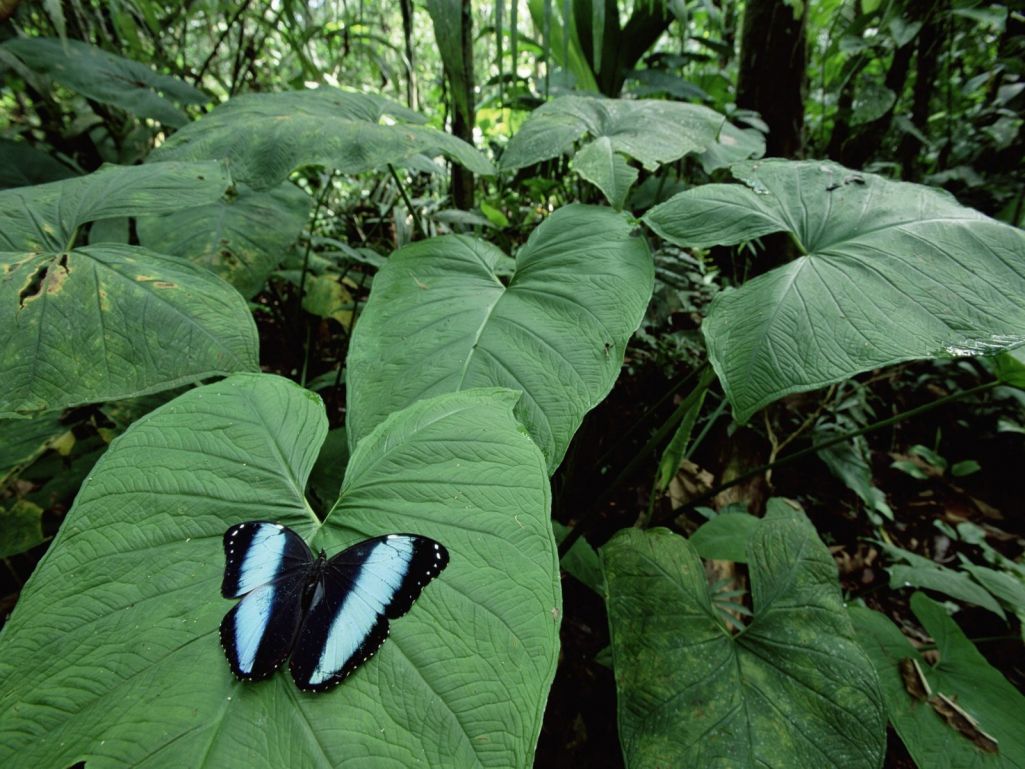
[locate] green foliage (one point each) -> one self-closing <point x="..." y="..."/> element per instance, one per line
<point x="441" y="320"/>
<point x="124" y="642"/>
<point x="264" y="137"/>
<point x="242" y="237"/>
<point x="791" y="688"/>
<point x="107" y="78"/>
<point x="874" y="284"/>
<point x="80" y="324"/>
<point x="649" y="131"/>
<point x="962" y="673"/>
<point x="725" y="536"/>
<point x="137" y="282"/>
<point x="22" y="165"/>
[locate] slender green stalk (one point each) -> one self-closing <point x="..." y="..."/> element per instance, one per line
<point x="904" y="415"/>
<point x="306" y="354"/>
<point x="707" y="376"/>
<point x="405" y="199"/>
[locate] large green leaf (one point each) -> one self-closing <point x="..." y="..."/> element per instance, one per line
<point x="26" y="439"/>
<point x="84" y="324"/>
<point x="792" y="689"/>
<point x="107" y="78"/>
<point x="439" y="319"/>
<point x="265" y="136"/>
<point x="242" y="237"/>
<point x="112" y="654"/>
<point x="649" y="130"/>
<point x="21" y="164"/>
<point x="962" y="674"/>
<point x="46" y="217"/>
<point x="889" y="272"/>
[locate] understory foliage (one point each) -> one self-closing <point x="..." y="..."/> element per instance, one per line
<point x="721" y="445"/>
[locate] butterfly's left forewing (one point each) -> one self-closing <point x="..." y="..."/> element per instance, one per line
<point x="363" y="587"/>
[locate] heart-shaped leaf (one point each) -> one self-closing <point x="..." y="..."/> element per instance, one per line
<point x="265" y="136"/>
<point x="962" y="674"/>
<point x="242" y="237"/>
<point x="112" y="654"/>
<point x="651" y="131"/>
<point x="439" y="319"/>
<point x="85" y="324"/>
<point x="107" y="78"/>
<point x="890" y="272"/>
<point x="791" y="689"/>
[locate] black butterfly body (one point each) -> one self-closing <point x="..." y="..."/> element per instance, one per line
<point x="329" y="614"/>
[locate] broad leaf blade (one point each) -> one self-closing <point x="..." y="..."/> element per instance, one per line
<point x="107" y="78"/>
<point x="793" y="689"/>
<point x="891" y="272"/>
<point x="242" y="237"/>
<point x="267" y="136"/>
<point x="107" y="322"/>
<point x="119" y="623"/>
<point x="606" y="170"/>
<point x="22" y="165"/>
<point x="45" y="217"/>
<point x="649" y="130"/>
<point x="79" y="325"/>
<point x="440" y="320"/>
<point x="962" y="673"/>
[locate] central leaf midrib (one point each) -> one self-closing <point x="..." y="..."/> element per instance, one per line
<point x="476" y="339"/>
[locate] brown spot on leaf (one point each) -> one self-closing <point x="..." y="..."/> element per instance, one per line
<point x="963" y="723"/>
<point x="164" y="284"/>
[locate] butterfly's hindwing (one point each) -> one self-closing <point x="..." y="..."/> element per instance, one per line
<point x="259" y="552"/>
<point x="258" y="633"/>
<point x="362" y="588"/>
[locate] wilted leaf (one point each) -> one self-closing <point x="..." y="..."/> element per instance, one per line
<point x="962" y="673"/>
<point x="327" y="297"/>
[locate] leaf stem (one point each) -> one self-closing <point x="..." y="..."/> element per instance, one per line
<point x="706" y="376"/>
<point x="904" y="415"/>
<point x="405" y="199"/>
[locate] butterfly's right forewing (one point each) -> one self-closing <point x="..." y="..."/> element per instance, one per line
<point x="259" y="552"/>
<point x="268" y="565"/>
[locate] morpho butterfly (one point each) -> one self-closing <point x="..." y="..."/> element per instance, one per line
<point x="330" y="614"/>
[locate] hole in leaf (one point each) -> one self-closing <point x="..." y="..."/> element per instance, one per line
<point x="34" y="285"/>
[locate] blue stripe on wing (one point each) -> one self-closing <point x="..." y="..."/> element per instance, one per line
<point x="259" y="552"/>
<point x="258" y="633"/>
<point x="363" y="586"/>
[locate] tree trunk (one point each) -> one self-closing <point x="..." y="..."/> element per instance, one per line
<point x="929" y="45"/>
<point x="463" y="116"/>
<point x="412" y="97"/>
<point x="772" y="72"/>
